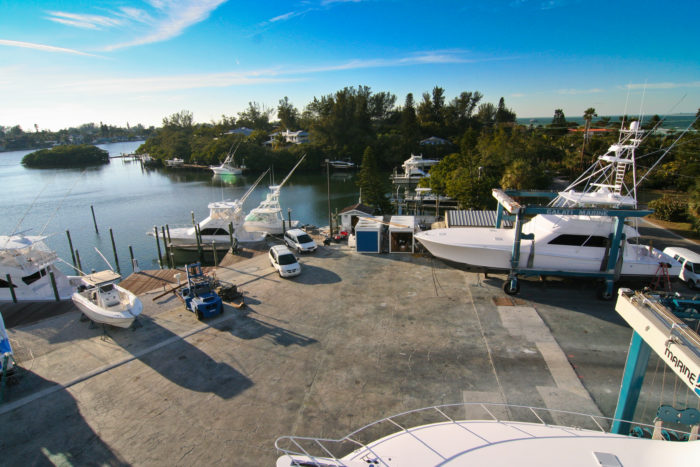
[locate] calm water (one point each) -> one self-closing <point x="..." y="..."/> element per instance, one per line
<point x="132" y="200"/>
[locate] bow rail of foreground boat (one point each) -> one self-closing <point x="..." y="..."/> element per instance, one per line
<point x="475" y="432"/>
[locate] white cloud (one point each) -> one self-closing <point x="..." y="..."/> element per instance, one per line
<point x="668" y="85"/>
<point x="83" y="21"/>
<point x="172" y="18"/>
<point x="284" y="17"/>
<point x="43" y="47"/>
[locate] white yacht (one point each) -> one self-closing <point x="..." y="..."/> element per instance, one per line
<point x="414" y="168"/>
<point x="214" y="230"/>
<point x="175" y="162"/>
<point x="228" y="167"/>
<point x="572" y="243"/>
<point x="29" y="263"/>
<point x="104" y="302"/>
<point x="494" y="439"/>
<point x="346" y="164"/>
<point x="267" y="216"/>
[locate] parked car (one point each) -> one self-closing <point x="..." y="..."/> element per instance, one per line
<point x="284" y="261"/>
<point x="299" y="240"/>
<point x="690" y="262"/>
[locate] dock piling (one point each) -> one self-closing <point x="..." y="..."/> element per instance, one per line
<point x="80" y="266"/>
<point x="131" y="257"/>
<point x="230" y="234"/>
<point x="114" y="250"/>
<point x="160" y="256"/>
<point x="12" y="288"/>
<point x="70" y="244"/>
<point x="54" y="287"/>
<point x="94" y="221"/>
<point x="213" y="249"/>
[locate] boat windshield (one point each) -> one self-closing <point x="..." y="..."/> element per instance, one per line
<point x="287" y="259"/>
<point x="107" y="288"/>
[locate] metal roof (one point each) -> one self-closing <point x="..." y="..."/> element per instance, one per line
<point x="472" y="218"/>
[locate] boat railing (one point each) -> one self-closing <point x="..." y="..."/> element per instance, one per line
<point x="323" y="450"/>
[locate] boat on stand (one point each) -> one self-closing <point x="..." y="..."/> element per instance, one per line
<point x="574" y="234"/>
<point x="267" y="216"/>
<point x="27" y="266"/>
<point x="104" y="302"/>
<point x="228" y="167"/>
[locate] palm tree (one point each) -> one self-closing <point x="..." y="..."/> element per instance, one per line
<point x="588" y="115"/>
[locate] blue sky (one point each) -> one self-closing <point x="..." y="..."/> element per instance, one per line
<point x="64" y="63"/>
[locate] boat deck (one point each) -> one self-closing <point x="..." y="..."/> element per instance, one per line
<point x="352" y="339"/>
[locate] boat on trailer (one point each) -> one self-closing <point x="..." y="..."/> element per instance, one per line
<point x="103" y="301"/>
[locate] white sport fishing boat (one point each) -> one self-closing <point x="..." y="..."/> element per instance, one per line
<point x="29" y="263"/>
<point x="227" y="167"/>
<point x="214" y="230"/>
<point x="267" y="217"/>
<point x="567" y="243"/>
<point x="104" y="302"/>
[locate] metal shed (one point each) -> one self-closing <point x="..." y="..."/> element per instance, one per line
<point x="401" y="229"/>
<point x="368" y="235"/>
<point x="474" y="218"/>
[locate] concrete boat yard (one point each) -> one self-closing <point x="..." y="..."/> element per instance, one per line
<point x="351" y="340"/>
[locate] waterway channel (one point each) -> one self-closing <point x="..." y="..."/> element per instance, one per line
<point x="130" y="200"/>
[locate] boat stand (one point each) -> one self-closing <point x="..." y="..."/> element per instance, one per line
<point x="612" y="261"/>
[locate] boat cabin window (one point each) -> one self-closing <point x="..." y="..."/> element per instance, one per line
<point x="214" y="231"/>
<point x="580" y="240"/>
<point x="689" y="266"/>
<point x="34" y="277"/>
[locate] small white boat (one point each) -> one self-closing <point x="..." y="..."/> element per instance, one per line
<point x="267" y="217"/>
<point x="30" y="263"/>
<point x="176" y="162"/>
<point x="227" y="167"/>
<point x="346" y="164"/>
<point x="103" y="301"/>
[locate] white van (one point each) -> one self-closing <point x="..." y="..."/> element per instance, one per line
<point x="299" y="240"/>
<point x="690" y="262"/>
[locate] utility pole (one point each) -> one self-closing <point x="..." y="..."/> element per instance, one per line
<point x="328" y="183"/>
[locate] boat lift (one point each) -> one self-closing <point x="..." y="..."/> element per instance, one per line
<point x="612" y="262"/>
<point x="657" y="325"/>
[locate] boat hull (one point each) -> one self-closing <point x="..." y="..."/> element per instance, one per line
<point x="122" y="317"/>
<point x="268" y="228"/>
<point x="462" y="246"/>
<point x="226" y="170"/>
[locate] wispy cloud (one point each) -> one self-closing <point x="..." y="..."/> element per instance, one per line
<point x="284" y="17"/>
<point x="83" y="21"/>
<point x="165" y="19"/>
<point x="668" y="85"/>
<point x="43" y="47"/>
<point x="579" y="91"/>
<point x="279" y="74"/>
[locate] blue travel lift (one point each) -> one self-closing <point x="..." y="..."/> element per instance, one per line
<point x="198" y="294"/>
<point x="657" y="323"/>
<point x="610" y="271"/>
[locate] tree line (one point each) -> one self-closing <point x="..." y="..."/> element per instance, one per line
<point x="486" y="146"/>
<point x="14" y="138"/>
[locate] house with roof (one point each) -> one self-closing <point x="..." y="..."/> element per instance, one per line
<point x="291" y="137"/>
<point x="245" y="131"/>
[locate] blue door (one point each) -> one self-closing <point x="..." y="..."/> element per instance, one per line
<point x="368" y="242"/>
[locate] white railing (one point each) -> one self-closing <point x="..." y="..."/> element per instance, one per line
<point x="321" y="451"/>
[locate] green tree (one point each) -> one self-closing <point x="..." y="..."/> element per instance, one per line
<point x="372" y="184"/>
<point x="503" y="115"/>
<point x="287" y="114"/>
<point x="256" y="116"/>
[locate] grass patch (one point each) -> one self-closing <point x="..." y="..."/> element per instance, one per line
<point x="684" y="229"/>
